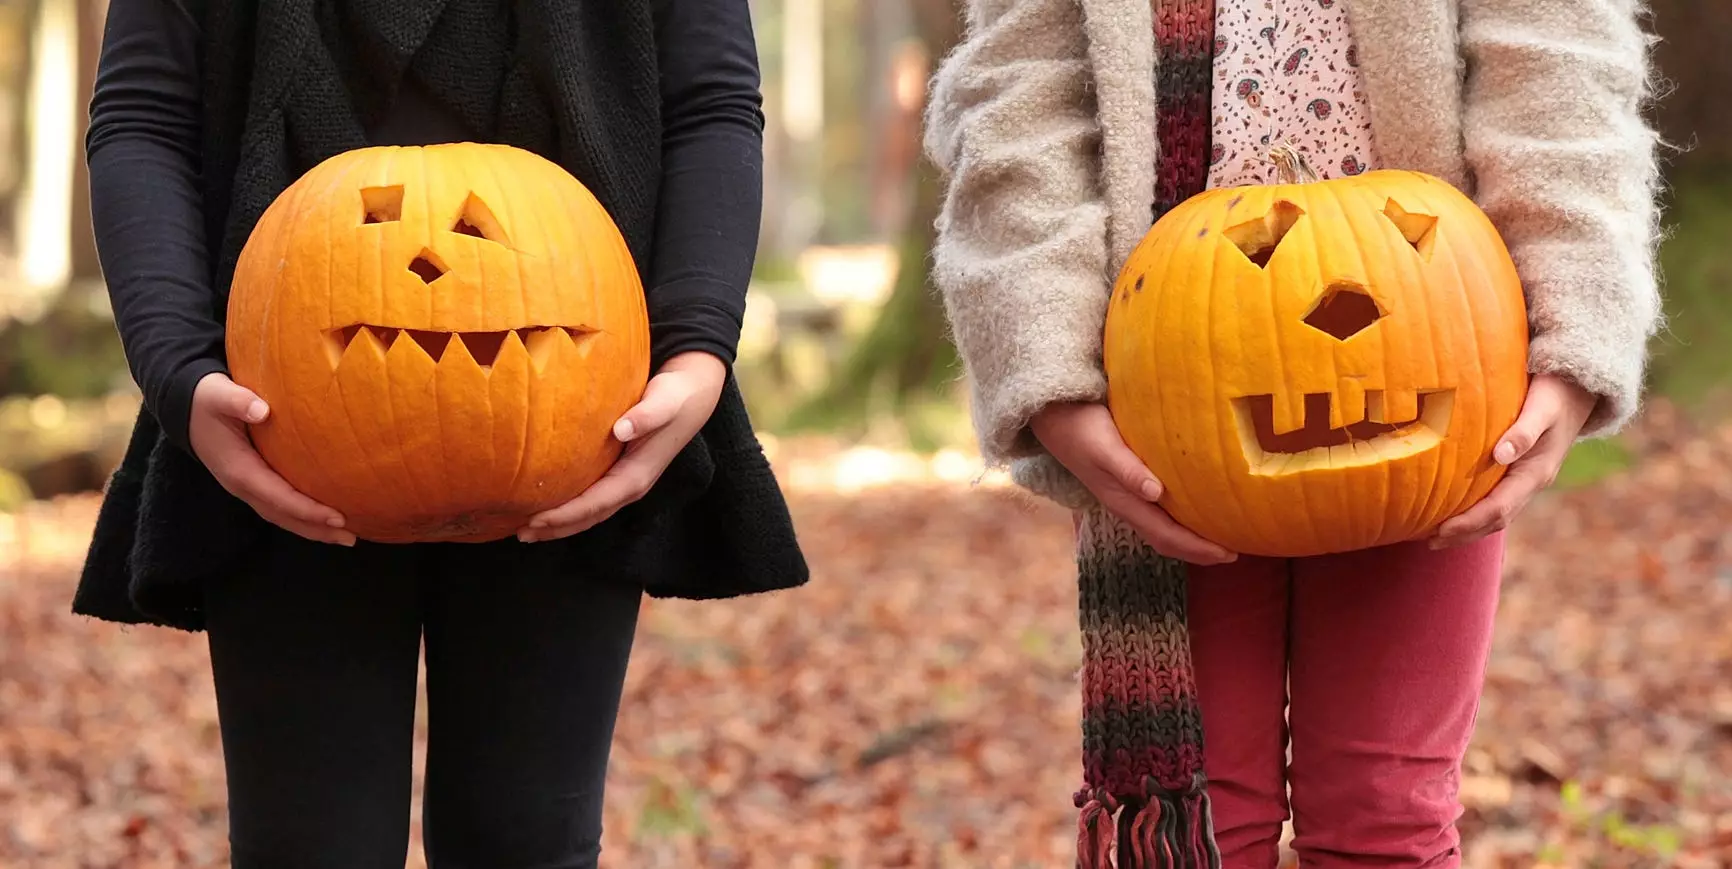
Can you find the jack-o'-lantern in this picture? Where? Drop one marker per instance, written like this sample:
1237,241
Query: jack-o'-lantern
445,335
1318,366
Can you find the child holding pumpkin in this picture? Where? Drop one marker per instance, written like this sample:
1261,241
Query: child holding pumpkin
1065,127
204,112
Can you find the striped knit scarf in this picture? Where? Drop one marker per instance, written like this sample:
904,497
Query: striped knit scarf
1144,796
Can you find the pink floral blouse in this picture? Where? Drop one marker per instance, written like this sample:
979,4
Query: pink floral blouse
1286,69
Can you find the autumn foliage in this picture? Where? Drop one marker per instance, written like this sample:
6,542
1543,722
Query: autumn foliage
917,705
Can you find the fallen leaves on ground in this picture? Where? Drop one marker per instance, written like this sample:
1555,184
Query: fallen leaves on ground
917,705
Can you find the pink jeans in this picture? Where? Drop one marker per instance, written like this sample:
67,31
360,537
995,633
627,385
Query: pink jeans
1377,659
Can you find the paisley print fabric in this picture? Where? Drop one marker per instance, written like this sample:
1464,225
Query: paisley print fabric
1285,69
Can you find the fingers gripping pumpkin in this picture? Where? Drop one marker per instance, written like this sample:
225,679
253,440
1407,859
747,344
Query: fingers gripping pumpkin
1318,366
445,335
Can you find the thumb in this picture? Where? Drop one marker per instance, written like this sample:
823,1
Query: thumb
238,402
1539,411
661,401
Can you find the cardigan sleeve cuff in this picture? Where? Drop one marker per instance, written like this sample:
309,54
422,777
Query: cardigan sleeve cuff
695,315
1592,310
173,410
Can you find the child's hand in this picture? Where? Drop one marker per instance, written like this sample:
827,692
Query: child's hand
1083,437
1534,448
221,410
675,405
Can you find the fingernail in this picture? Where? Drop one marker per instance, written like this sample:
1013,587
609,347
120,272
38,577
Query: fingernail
1505,453
347,540
525,537
335,521
1151,490
624,429
255,411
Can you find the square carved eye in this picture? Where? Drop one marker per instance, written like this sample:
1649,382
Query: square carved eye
382,204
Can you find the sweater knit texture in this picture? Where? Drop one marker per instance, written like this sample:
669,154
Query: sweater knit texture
577,83
1145,795
1043,121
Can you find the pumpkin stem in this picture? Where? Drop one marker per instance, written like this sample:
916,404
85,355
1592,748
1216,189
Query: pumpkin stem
1291,165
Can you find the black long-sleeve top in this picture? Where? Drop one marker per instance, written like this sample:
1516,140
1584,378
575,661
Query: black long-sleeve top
144,145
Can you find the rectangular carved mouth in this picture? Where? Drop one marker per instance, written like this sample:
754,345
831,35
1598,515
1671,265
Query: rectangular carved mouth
483,347
1371,439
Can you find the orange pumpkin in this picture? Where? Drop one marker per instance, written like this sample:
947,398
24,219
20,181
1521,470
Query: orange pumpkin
445,335
1318,366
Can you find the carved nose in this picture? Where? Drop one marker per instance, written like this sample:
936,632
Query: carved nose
427,266
1345,309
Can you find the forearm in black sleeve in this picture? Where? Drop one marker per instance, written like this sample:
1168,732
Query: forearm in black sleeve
148,215
712,177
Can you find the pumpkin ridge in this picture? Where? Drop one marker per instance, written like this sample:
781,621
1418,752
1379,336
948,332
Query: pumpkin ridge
350,170
1454,488
1330,501
1219,446
411,479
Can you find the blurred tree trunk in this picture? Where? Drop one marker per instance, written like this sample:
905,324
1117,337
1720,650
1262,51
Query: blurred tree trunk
1694,68
85,266
17,37
906,354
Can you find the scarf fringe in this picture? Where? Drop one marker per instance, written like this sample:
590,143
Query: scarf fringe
1163,831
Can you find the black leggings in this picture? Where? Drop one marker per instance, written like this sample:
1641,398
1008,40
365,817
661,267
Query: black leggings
314,654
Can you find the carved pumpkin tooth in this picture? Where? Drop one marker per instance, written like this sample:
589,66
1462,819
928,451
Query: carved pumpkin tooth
404,350
432,343
1400,406
512,344
368,338
543,344
1287,411
1374,410
1348,407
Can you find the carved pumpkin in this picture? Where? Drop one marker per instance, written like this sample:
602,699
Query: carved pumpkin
1318,366
445,335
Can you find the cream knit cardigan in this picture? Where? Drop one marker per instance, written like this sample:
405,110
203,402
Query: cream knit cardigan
1043,122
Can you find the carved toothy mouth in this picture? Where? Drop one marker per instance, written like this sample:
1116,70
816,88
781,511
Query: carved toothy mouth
483,347
1368,437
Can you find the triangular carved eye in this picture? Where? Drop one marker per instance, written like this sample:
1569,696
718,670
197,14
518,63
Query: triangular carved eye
1257,239
477,220
1420,230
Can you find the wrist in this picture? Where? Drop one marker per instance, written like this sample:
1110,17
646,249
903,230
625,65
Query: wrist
1058,411
699,363
174,402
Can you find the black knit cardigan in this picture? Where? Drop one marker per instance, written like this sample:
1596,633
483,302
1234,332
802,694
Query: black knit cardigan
579,85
